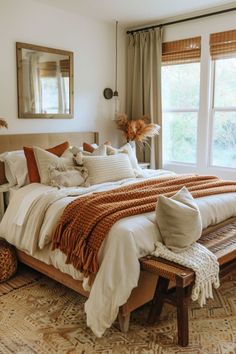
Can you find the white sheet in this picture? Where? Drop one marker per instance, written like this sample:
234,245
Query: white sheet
127,241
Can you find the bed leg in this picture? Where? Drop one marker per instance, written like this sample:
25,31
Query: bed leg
123,322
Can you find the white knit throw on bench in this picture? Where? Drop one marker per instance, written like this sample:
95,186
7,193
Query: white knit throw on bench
202,261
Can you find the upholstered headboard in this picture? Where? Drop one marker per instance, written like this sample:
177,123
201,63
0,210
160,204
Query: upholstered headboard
44,140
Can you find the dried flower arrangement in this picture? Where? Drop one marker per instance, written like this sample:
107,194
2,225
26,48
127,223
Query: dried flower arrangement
137,129
3,123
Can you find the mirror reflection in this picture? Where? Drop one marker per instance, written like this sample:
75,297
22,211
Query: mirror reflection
44,82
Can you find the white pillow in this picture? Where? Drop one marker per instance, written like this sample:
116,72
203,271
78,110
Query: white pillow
108,168
16,170
131,153
45,160
179,220
98,150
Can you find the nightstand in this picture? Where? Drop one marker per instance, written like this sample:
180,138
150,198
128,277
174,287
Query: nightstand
144,165
3,189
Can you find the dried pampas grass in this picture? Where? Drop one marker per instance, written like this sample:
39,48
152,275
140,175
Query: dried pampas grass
137,129
3,123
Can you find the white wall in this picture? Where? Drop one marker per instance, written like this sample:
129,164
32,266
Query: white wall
203,27
93,44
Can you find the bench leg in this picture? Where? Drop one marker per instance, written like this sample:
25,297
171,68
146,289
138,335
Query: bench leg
182,301
158,300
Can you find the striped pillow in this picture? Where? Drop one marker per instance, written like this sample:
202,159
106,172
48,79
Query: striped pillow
108,168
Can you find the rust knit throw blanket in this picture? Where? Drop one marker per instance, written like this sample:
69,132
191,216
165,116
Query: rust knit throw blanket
86,221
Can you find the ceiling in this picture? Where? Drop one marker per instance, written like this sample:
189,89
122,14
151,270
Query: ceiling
135,12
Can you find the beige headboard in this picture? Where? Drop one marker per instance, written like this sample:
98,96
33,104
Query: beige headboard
44,140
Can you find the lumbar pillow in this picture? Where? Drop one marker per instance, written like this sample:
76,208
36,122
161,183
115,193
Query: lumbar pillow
68,177
46,160
108,168
179,220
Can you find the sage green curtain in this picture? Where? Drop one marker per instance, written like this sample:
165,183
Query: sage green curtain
144,86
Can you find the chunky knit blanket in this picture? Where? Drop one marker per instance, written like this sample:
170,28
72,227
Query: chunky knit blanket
202,261
86,221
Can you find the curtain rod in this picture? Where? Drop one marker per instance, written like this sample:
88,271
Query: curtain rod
183,20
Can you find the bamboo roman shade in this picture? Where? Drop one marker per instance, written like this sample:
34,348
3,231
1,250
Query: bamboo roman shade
48,69
65,67
223,44
181,51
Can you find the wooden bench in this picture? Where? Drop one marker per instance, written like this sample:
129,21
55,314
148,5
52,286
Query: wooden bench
222,242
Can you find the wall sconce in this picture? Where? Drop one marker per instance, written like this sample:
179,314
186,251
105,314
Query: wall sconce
108,93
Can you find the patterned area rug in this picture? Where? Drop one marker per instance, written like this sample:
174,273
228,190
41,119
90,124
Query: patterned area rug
38,315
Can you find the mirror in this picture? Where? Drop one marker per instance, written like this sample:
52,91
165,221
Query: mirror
45,82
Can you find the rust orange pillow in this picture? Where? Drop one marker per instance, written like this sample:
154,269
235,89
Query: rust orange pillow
31,162
88,147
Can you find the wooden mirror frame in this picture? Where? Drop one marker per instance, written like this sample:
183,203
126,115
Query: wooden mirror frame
21,112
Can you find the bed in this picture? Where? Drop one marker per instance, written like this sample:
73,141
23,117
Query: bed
135,287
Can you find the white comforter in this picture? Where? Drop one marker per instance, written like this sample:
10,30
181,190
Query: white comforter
35,209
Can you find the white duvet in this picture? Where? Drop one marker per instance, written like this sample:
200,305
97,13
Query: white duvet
34,210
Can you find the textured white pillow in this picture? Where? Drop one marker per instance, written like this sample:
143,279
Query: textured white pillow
46,160
69,177
179,220
108,168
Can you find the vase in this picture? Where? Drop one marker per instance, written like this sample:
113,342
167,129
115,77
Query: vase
133,145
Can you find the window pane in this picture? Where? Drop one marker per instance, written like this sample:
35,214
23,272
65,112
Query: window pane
49,95
180,137
224,139
225,83
180,86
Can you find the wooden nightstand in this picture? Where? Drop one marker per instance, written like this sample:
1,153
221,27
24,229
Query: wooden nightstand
3,189
144,165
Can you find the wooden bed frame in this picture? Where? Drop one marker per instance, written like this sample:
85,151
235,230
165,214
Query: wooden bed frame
148,281
160,281
139,296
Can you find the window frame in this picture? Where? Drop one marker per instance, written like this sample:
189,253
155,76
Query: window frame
213,110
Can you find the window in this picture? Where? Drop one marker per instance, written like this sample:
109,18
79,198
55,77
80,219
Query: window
223,53
49,94
180,100
54,81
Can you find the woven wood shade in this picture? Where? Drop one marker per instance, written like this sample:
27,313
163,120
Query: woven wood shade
223,44
181,51
48,69
65,67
